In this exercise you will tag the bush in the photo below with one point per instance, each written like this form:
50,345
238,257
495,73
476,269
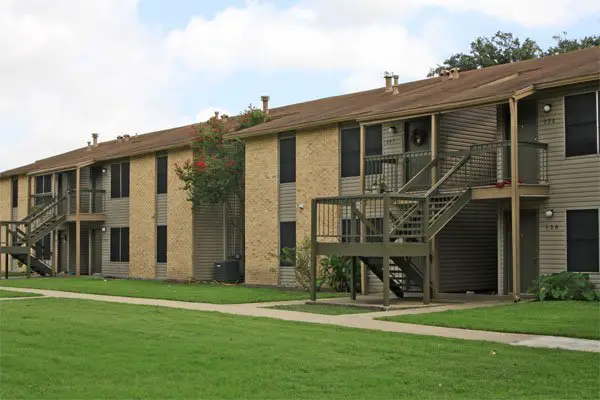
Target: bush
300,258
336,273
564,286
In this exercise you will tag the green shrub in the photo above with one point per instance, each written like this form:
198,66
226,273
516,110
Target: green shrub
564,286
336,273
299,257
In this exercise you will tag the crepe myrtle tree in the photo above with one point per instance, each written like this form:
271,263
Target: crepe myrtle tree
215,175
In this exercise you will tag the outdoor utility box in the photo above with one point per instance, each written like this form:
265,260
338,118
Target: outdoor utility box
227,271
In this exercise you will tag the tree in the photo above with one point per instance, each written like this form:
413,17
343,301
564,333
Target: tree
216,173
504,48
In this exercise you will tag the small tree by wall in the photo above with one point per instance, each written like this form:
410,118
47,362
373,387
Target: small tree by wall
216,173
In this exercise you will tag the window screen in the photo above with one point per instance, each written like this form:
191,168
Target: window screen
287,160
161,174
373,147
161,244
350,152
583,245
119,244
287,238
15,192
581,129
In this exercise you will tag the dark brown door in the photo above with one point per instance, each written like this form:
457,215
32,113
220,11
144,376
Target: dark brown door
529,250
417,139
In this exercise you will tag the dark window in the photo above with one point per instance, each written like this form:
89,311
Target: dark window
287,239
373,147
15,192
161,244
287,160
350,152
583,245
43,184
119,244
581,125
161,174
119,180
347,231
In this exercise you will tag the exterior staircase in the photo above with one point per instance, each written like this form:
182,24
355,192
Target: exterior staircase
19,238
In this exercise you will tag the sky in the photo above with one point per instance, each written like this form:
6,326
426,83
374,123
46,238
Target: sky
71,67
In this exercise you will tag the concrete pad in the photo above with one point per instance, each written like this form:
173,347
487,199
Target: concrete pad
554,342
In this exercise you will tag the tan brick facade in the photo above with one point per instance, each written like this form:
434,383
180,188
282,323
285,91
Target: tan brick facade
142,217
262,222
317,171
180,254
5,210
23,195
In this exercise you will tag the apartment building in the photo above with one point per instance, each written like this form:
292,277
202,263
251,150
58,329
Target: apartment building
115,209
475,181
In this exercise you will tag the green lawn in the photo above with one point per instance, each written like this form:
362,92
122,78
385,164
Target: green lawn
6,293
323,309
69,349
195,292
557,318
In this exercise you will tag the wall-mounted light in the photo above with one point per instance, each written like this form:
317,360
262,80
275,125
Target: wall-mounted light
104,170
103,229
549,213
392,130
547,108
301,206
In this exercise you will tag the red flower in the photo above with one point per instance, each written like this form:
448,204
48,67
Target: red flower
200,165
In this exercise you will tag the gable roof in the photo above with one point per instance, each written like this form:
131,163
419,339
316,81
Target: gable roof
476,87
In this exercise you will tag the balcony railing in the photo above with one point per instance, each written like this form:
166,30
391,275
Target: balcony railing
92,201
479,165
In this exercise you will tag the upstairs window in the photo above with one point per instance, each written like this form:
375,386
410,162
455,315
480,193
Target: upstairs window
350,139
15,192
287,159
119,180
161,174
373,147
43,184
582,135
583,243
119,244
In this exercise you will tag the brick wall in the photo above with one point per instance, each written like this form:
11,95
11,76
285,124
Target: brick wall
23,194
262,224
317,171
180,244
142,218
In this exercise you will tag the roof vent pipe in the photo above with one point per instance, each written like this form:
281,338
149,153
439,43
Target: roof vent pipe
388,81
216,115
119,139
126,138
396,88
89,145
94,139
454,73
265,103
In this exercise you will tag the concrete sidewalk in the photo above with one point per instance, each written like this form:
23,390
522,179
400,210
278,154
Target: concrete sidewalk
361,321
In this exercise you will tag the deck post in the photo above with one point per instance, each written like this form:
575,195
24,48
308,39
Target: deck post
515,200
386,256
8,244
313,250
435,276
28,270
77,222
353,238
427,272
363,267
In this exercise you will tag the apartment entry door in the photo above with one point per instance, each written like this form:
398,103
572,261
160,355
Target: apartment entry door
529,157
529,250
95,251
417,138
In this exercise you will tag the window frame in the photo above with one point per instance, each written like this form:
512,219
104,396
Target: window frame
567,237
123,249
564,101
122,188
345,173
14,192
162,180
281,246
161,256
288,176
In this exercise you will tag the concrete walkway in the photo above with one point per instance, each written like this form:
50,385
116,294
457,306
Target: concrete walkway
361,321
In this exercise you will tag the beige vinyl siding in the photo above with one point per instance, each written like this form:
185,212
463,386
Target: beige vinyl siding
208,239
117,216
574,183
350,186
287,201
468,248
161,271
233,236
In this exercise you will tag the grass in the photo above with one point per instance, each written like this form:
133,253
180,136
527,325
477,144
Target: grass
194,292
323,309
556,318
9,294
104,350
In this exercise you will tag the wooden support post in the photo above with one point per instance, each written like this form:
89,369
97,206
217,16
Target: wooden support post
8,244
427,272
77,222
433,249
354,265
363,228
313,250
28,270
515,200
386,257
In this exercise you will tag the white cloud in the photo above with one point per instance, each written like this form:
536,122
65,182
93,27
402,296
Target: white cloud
72,67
